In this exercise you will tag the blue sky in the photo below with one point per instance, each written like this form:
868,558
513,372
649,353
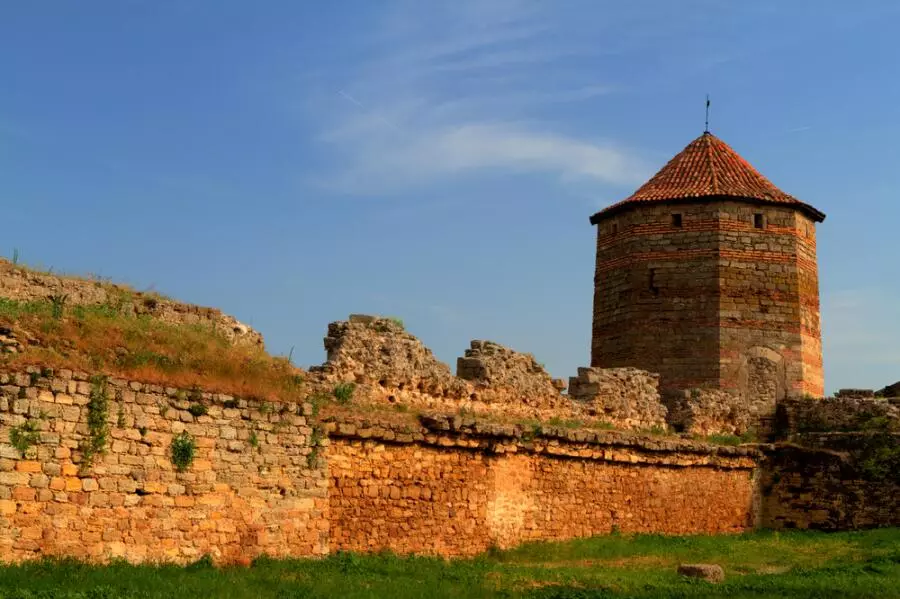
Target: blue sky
293,162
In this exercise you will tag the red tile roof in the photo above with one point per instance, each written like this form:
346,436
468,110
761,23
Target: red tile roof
707,168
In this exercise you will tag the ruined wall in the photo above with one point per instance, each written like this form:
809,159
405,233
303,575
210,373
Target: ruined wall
836,465
628,398
798,416
459,491
501,374
713,302
837,481
392,366
715,411
252,487
21,284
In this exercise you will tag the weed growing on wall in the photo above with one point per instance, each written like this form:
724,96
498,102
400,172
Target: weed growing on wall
315,442
24,436
98,427
197,410
880,457
183,448
253,440
343,392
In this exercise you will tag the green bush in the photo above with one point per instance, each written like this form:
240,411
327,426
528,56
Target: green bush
183,449
24,436
197,410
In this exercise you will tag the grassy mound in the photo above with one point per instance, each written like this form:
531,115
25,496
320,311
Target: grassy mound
104,338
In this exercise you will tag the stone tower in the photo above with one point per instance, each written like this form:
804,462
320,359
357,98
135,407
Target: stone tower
707,275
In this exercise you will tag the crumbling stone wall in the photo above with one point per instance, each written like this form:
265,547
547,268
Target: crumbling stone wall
836,465
625,397
503,375
459,488
715,411
378,352
254,486
836,414
835,481
26,285
391,365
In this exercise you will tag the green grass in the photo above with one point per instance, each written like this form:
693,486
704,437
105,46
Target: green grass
800,564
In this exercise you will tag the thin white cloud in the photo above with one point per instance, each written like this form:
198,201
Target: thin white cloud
387,163
456,89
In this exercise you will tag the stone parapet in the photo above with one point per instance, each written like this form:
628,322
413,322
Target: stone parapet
625,397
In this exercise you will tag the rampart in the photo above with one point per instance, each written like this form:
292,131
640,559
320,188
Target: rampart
250,488
275,479
382,447
460,487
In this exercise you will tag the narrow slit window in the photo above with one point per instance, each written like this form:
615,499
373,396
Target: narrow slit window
676,220
614,228
758,221
651,281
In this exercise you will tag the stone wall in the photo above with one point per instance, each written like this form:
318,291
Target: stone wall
628,398
22,284
715,411
253,486
378,352
713,303
276,479
501,374
836,465
835,414
839,481
392,366
458,488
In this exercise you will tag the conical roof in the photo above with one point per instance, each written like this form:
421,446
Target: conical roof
708,168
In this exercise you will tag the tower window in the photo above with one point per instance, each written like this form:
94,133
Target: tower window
651,282
614,228
676,220
758,221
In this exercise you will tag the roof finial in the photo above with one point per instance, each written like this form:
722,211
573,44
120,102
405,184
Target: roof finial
706,129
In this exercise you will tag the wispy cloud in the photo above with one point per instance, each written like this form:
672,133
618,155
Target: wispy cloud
455,89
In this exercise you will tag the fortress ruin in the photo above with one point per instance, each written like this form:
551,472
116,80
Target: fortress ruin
700,412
